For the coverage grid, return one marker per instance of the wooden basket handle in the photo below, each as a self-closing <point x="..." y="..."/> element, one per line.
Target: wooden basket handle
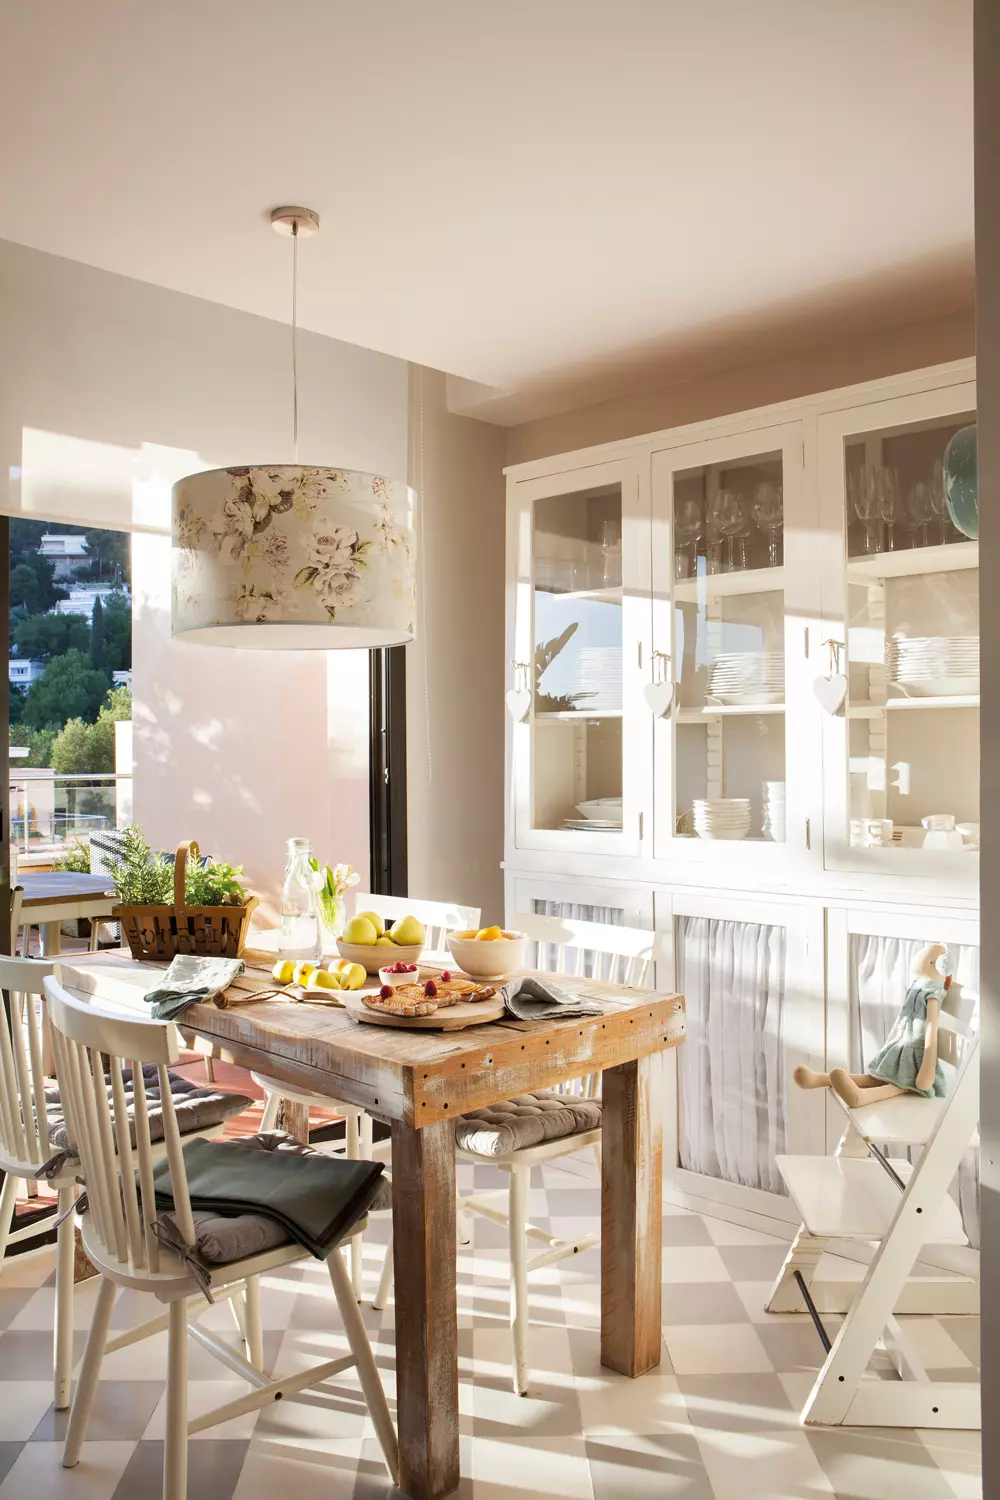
<point x="180" y="867"/>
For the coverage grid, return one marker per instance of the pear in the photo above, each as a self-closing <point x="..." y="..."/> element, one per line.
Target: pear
<point x="353" y="977"/>
<point x="283" y="971"/>
<point x="408" y="932"/>
<point x="385" y="941"/>
<point x="362" y="931"/>
<point x="303" y="972"/>
<point x="374" y="918"/>
<point x="324" y="980"/>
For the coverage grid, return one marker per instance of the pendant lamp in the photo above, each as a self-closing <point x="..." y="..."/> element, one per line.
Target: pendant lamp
<point x="293" y="556"/>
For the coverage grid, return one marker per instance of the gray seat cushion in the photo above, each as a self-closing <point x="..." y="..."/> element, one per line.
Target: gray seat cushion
<point x="196" y="1107"/>
<point x="528" y="1120"/>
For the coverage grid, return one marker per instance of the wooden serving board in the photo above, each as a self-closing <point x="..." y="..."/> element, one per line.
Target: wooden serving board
<point x="448" y="1018"/>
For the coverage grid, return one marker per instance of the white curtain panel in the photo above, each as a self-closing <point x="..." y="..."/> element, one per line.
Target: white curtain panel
<point x="578" y="911"/>
<point x="732" y="1067"/>
<point x="880" y="976"/>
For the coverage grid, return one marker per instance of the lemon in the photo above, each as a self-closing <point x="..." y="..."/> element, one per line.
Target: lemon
<point x="303" y="972"/>
<point x="283" y="971"/>
<point x="488" y="934"/>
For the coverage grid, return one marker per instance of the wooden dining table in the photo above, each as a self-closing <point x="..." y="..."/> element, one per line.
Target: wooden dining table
<point x="420" y="1082"/>
<point x="52" y="897"/>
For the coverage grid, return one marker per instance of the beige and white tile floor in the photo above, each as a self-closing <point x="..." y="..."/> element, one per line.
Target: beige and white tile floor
<point x="716" y="1421"/>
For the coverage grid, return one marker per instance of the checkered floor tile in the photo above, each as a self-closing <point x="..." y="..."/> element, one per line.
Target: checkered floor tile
<point x="716" y="1421"/>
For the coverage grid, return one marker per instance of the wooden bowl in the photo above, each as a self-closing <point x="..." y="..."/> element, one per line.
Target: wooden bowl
<point x="494" y="959"/>
<point x="375" y="956"/>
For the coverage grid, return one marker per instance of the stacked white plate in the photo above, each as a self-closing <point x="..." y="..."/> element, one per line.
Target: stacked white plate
<point x="722" y="817"/>
<point x="600" y="815"/>
<point x="597" y="670"/>
<point x="773" y="802"/>
<point x="934" y="666"/>
<point x="748" y="677"/>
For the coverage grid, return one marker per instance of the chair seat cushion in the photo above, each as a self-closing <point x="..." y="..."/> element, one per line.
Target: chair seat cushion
<point x="528" y="1120"/>
<point x="196" y="1107"/>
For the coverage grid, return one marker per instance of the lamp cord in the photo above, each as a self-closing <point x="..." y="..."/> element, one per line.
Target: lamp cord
<point x="295" y="343"/>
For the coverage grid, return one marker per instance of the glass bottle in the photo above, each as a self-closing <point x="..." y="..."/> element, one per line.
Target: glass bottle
<point x="299" y="931"/>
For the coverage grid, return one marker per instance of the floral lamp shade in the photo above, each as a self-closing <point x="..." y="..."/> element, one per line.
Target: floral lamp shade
<point x="293" y="558"/>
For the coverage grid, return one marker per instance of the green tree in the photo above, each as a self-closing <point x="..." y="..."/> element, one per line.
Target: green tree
<point x="69" y="688"/>
<point x="81" y="748"/>
<point x="25" y="588"/>
<point x="42" y="636"/>
<point x="110" y="554"/>
<point x="97" y="635"/>
<point x="38" y="743"/>
<point x="117" y="631"/>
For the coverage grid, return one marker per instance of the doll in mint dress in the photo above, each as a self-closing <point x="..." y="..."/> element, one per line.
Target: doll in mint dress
<point x="908" y="1062"/>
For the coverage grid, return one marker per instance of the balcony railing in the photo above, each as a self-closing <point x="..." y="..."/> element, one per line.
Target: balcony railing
<point x="48" y="810"/>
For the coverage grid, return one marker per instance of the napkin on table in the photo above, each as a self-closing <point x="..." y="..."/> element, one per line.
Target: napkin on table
<point x="534" y="999"/>
<point x="189" y="980"/>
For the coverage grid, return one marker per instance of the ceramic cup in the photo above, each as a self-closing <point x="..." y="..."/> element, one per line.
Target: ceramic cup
<point x="876" y="832"/>
<point x="970" y="834"/>
<point x="939" y="822"/>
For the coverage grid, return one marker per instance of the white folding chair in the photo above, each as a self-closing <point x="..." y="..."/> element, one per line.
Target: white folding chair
<point x="861" y="1195"/>
<point x="118" y="1237"/>
<point x="25" y="1143"/>
<point x="581" y="950"/>
<point x="439" y="918"/>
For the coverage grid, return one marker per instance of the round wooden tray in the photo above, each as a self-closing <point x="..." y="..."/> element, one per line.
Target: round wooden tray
<point x="449" y="1018"/>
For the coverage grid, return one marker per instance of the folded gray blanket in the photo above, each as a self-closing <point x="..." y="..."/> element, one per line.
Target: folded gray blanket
<point x="534" y="999"/>
<point x="315" y="1198"/>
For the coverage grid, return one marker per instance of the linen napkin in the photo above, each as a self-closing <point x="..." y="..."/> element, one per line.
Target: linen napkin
<point x="534" y="999"/>
<point x="190" y="979"/>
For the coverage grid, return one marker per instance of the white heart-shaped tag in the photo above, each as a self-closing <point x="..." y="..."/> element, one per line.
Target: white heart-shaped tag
<point x="659" y="696"/>
<point x="519" y="702"/>
<point x="831" y="692"/>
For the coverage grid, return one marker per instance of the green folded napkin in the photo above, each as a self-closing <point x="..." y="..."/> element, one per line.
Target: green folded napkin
<point x="315" y="1198"/>
<point x="189" y="980"/>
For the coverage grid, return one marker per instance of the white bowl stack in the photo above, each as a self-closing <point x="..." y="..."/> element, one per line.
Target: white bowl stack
<point x="934" y="666"/>
<point x="748" y="677"/>
<point x="722" y="817"/>
<point x="773" y="802"/>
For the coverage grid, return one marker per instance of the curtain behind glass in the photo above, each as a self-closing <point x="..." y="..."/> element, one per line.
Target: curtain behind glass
<point x="732" y="1065"/>
<point x="880" y="976"/>
<point x="578" y="911"/>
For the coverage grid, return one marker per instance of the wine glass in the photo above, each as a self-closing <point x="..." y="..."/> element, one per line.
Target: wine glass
<point x="863" y="492"/>
<point x="918" y="510"/>
<point x="728" y="511"/>
<point x="689" y="523"/>
<point x="938" y="503"/>
<point x="769" y="513"/>
<point x="611" y="547"/>
<point x="889" y="502"/>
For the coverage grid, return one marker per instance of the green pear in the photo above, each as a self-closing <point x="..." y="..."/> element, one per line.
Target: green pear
<point x="408" y="933"/>
<point x="374" y="918"/>
<point x="361" y="931"/>
<point x="385" y="941"/>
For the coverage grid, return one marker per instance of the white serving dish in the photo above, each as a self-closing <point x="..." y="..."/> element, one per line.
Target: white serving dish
<point x="394" y="980"/>
<point x="374" y="957"/>
<point x="494" y="959"/>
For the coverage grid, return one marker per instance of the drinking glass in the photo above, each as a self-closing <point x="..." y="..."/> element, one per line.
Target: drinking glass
<point x="728" y="510"/>
<point x="938" y="503"/>
<point x="918" y="510"/>
<point x="863" y="492"/>
<point x="769" y="513"/>
<point x="611" y="547"/>
<point x="689" y="524"/>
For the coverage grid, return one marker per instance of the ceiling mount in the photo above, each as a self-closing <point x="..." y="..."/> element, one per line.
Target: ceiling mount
<point x="293" y="220"/>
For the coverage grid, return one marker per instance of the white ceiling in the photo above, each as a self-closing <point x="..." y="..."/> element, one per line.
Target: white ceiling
<point x="549" y="197"/>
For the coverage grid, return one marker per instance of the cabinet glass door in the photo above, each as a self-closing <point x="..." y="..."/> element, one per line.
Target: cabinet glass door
<point x="721" y="564"/>
<point x="577" y="617"/>
<point x="911" y="607"/>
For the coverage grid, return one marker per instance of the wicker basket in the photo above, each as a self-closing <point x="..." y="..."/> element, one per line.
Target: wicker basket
<point x="164" y="931"/>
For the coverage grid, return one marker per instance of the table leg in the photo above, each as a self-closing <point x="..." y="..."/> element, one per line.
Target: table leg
<point x="51" y="938"/>
<point x="423" y="1233"/>
<point x="293" y="1118"/>
<point x="631" y="1216"/>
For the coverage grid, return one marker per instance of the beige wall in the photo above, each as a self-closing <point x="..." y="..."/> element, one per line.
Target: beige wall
<point x="109" y="388"/>
<point x="456" y="781"/>
<point x="751" y="384"/>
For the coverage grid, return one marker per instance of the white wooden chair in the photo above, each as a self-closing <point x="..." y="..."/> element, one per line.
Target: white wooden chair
<point x="25" y="1144"/>
<point x="118" y="1237"/>
<point x="620" y="955"/>
<point x="439" y="918"/>
<point x="860" y="1195"/>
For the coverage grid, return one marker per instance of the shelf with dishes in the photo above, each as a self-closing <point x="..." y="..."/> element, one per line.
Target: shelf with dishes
<point x="600" y="815"/>
<point x="728" y="585"/>
<point x="948" y="700"/>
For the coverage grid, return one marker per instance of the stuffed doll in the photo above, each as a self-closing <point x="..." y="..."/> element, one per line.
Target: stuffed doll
<point x="908" y="1063"/>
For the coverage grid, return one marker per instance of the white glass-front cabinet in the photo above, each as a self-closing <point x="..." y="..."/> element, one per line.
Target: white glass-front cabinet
<point x="735" y="591"/>
<point x="751" y="972"/>
<point x="901" y="597"/>
<point x="612" y="902"/>
<point x="580" y="755"/>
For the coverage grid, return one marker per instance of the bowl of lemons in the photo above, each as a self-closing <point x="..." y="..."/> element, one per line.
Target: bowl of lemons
<point x="489" y="953"/>
<point x="368" y="941"/>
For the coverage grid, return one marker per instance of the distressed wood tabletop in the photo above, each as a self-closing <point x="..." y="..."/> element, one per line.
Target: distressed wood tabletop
<point x="420" y="1081"/>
